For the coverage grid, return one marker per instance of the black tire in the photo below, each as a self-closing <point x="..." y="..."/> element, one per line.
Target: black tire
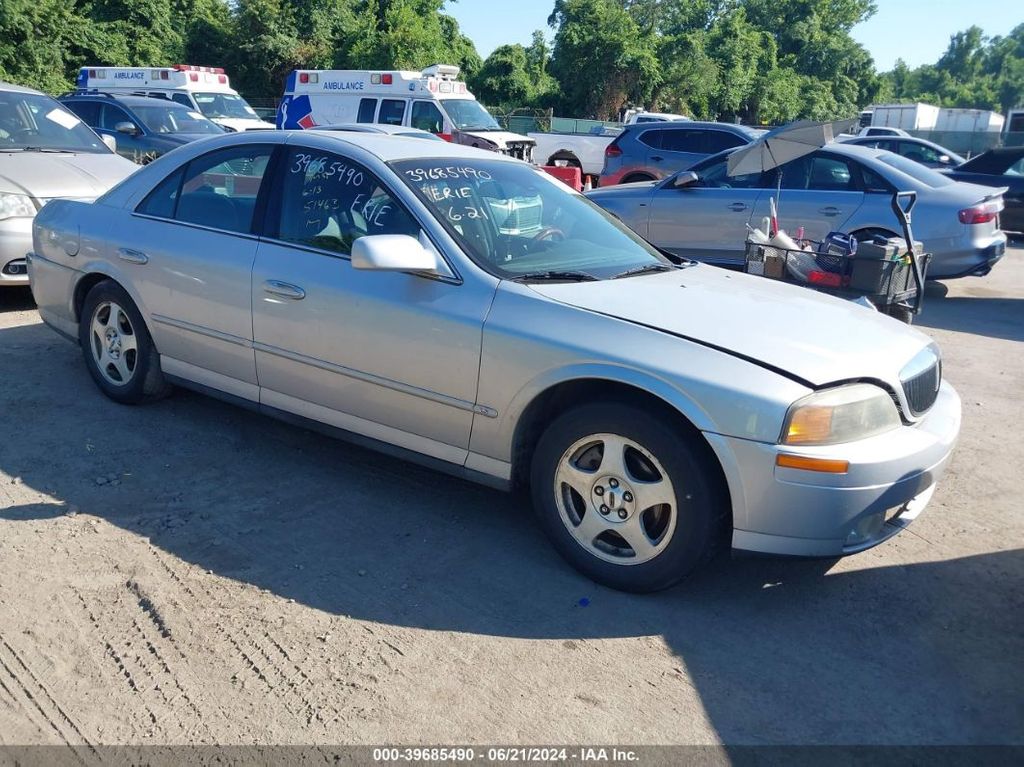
<point x="700" y="508"/>
<point x="146" y="382"/>
<point x="901" y="313"/>
<point x="863" y="235"/>
<point x="571" y="161"/>
<point x="637" y="177"/>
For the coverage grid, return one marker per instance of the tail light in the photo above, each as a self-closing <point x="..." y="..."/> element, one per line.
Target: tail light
<point x="445" y="136"/>
<point x="612" y="150"/>
<point x="980" y="214"/>
<point x="828" y="279"/>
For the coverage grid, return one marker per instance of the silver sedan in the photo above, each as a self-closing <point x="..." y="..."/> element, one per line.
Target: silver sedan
<point x="702" y="213"/>
<point x="455" y="307"/>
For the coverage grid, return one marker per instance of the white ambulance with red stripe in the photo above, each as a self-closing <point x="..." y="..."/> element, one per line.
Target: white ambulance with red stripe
<point x="434" y="100"/>
<point x="205" y="89"/>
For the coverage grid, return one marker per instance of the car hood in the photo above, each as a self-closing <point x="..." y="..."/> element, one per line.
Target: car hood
<point x="44" y="175"/>
<point x="500" y="138"/>
<point x="815" y="338"/>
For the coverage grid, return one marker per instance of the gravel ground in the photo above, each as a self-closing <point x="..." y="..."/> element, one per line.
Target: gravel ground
<point x="190" y="572"/>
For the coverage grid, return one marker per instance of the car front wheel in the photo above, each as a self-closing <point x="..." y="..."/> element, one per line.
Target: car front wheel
<point x="628" y="499"/>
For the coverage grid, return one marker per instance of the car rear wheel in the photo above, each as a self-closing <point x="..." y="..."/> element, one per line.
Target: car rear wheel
<point x="626" y="498"/>
<point x="118" y="350"/>
<point x="637" y="177"/>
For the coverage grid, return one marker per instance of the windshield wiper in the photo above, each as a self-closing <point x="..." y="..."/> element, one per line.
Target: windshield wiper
<point x="553" y="276"/>
<point x="644" y="269"/>
<point x="46" y="149"/>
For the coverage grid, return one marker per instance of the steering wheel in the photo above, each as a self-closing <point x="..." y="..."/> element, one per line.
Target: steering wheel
<point x="549" y="232"/>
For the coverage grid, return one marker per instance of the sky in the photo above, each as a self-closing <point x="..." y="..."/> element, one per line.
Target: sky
<point x="916" y="30"/>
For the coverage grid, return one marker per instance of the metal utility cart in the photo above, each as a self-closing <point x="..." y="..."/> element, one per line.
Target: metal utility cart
<point x="895" y="285"/>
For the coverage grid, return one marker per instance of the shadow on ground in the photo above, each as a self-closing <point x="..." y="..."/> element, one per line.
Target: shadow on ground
<point x="780" y="651"/>
<point x="16" y="299"/>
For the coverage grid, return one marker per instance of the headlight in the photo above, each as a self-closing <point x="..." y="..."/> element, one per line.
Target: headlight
<point x="16" y="206"/>
<point x="843" y="414"/>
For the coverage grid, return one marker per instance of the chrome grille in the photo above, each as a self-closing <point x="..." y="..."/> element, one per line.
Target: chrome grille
<point x="921" y="387"/>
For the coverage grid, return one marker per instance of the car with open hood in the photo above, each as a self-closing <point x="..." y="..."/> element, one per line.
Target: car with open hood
<point x="465" y="310"/>
<point x="46" y="152"/>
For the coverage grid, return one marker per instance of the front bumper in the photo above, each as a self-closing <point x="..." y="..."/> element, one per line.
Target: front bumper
<point x="15" y="242"/>
<point x="803" y="513"/>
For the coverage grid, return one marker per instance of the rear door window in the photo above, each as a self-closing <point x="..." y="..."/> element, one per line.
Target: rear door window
<point x="367" y="110"/>
<point x="392" y="111"/>
<point x="183" y="98"/>
<point x="651" y="138"/>
<point x="89" y="111"/>
<point x="220" y="189"/>
<point x="682" y="141"/>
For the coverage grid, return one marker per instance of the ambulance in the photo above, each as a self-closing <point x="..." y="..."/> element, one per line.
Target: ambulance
<point x="433" y="100"/>
<point x="205" y="89"/>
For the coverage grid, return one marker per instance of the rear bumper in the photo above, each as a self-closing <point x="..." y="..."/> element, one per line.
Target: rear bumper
<point x="890" y="480"/>
<point x="15" y="242"/>
<point x="977" y="259"/>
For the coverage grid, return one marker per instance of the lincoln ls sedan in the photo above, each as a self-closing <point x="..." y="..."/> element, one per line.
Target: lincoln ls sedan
<point x="462" y="309"/>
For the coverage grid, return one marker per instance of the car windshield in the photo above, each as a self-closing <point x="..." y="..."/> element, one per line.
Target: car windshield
<point x="33" y="122"/>
<point x="915" y="170"/>
<point x="516" y="221"/>
<point x="172" y="119"/>
<point x="469" y="115"/>
<point x="220" y="105"/>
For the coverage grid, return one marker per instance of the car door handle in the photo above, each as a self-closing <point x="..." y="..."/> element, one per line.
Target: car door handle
<point x="132" y="256"/>
<point x="284" y="290"/>
<point x="830" y="211"/>
<point x="739" y="207"/>
<point x="656" y="158"/>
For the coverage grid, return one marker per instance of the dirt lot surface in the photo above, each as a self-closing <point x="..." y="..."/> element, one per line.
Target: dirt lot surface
<point x="190" y="572"/>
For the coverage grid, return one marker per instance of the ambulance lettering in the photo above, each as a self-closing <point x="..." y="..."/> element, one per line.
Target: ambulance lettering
<point x="129" y="75"/>
<point x="349" y="85"/>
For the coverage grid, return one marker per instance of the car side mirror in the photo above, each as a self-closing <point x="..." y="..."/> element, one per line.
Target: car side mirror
<point x="393" y="253"/>
<point x="110" y="141"/>
<point x="684" y="179"/>
<point x="126" y="127"/>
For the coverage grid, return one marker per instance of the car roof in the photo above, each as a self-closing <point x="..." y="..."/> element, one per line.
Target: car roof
<point x="12" y="88"/>
<point x="745" y="130"/>
<point x="390" y="148"/>
<point x="127" y="99"/>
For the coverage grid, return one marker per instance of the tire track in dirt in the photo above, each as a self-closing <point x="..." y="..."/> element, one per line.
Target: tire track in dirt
<point x="30" y="696"/>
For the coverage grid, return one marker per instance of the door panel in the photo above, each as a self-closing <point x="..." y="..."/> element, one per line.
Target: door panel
<point x="819" y="192"/>
<point x="708" y="220"/>
<point x="194" y="274"/>
<point x="391" y="355"/>
<point x="389" y="348"/>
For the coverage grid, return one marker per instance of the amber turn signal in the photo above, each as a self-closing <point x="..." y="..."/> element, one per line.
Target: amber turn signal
<point x="827" y="465"/>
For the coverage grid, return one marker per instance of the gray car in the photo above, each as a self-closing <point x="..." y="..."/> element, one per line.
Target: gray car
<point x="704" y="213"/>
<point x="929" y="154"/>
<point x="652" y="151"/>
<point x="468" y="311"/>
<point x="45" y="152"/>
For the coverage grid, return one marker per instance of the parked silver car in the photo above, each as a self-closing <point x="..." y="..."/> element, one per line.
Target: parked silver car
<point x="703" y="213"/>
<point x="45" y="152"/>
<point x="463" y="309"/>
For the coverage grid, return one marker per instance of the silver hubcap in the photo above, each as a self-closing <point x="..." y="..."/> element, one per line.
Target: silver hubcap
<point x="616" y="499"/>
<point x="113" y="344"/>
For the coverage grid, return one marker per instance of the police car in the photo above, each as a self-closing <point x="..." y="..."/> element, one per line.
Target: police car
<point x="205" y="89"/>
<point x="433" y="100"/>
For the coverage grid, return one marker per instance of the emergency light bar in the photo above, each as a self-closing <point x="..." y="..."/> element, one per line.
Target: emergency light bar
<point x="443" y="71"/>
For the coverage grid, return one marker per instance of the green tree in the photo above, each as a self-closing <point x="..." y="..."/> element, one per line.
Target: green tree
<point x="601" y="60"/>
<point x="504" y="79"/>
